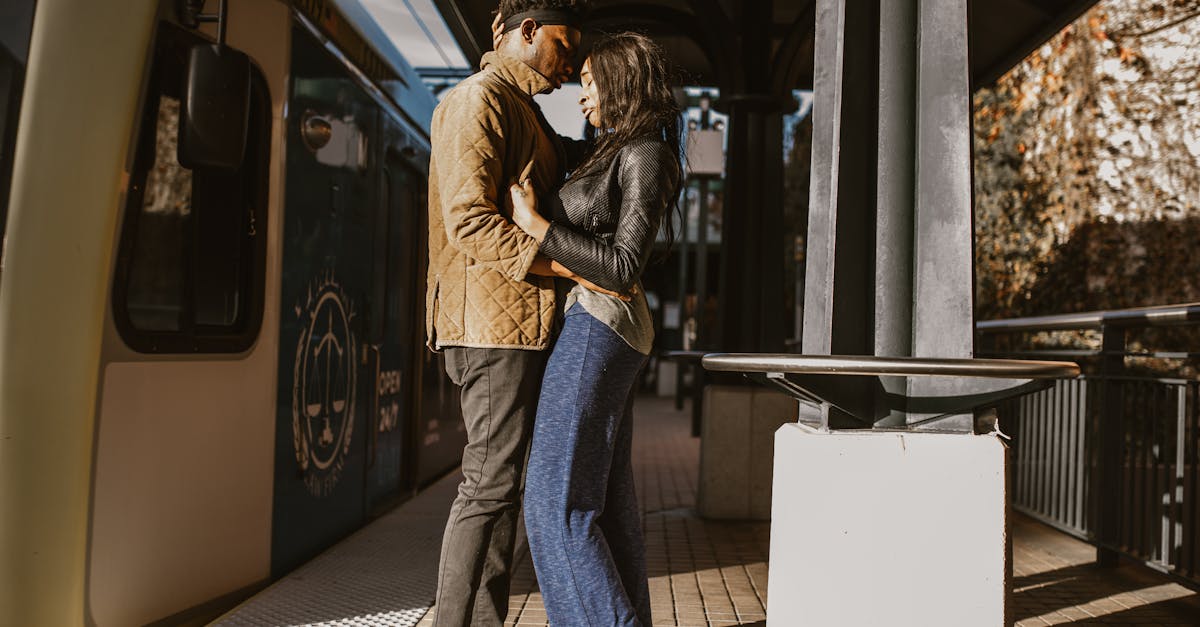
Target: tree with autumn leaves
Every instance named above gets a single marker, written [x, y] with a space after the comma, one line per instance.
[1087, 190]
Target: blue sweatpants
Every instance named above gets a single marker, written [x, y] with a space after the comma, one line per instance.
[581, 512]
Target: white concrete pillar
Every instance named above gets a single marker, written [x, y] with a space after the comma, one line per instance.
[888, 528]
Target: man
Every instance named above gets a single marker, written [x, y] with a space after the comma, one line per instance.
[486, 306]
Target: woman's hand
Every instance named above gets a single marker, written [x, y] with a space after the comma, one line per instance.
[545, 266]
[524, 210]
[600, 290]
[497, 30]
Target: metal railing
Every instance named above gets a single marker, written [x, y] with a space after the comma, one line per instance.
[852, 386]
[1111, 457]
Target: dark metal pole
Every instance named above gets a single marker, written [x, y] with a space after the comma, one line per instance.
[840, 261]
[943, 282]
[895, 184]
[701, 260]
[683, 292]
[839, 283]
[752, 243]
[889, 263]
[701, 303]
[943, 221]
[1109, 459]
[222, 22]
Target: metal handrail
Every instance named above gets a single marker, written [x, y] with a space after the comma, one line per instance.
[857, 365]
[684, 355]
[1165, 315]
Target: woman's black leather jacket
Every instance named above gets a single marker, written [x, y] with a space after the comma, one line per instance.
[604, 222]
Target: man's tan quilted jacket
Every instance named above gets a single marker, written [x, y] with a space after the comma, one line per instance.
[485, 134]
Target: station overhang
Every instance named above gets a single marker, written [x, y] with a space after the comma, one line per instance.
[701, 36]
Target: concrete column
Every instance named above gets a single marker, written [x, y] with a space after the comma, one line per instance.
[895, 184]
[890, 230]
[888, 528]
[916, 523]
[736, 448]
[752, 241]
[839, 290]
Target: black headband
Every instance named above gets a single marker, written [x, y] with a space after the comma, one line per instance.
[548, 17]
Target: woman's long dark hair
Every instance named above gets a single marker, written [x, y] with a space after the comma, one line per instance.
[634, 88]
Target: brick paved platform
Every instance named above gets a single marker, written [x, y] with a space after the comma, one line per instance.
[710, 573]
[1056, 582]
[703, 573]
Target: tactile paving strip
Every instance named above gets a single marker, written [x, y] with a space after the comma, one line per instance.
[383, 575]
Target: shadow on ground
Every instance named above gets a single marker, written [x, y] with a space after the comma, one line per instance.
[1078, 590]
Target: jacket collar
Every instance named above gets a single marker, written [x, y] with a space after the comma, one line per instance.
[516, 72]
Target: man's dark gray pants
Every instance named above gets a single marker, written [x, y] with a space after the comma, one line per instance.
[500, 389]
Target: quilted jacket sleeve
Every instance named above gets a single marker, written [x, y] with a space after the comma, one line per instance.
[468, 147]
[647, 175]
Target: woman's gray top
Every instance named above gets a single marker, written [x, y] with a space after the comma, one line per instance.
[603, 227]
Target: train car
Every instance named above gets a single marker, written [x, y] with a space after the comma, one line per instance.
[212, 360]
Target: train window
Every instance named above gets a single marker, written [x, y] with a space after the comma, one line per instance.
[17, 16]
[403, 263]
[154, 299]
[190, 270]
[394, 252]
[378, 314]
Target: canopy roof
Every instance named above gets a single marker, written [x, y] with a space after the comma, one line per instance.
[696, 36]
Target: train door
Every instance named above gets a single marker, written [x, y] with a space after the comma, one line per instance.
[419, 433]
[326, 380]
[439, 433]
[392, 320]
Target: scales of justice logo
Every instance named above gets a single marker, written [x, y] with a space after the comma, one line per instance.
[323, 385]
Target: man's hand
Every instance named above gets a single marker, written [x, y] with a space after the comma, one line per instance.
[497, 30]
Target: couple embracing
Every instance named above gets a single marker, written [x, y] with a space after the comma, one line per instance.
[547, 381]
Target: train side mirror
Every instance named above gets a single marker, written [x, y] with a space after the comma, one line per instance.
[214, 118]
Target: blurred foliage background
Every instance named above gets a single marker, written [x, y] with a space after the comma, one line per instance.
[1087, 190]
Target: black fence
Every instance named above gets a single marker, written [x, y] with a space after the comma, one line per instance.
[1111, 457]
[1058, 465]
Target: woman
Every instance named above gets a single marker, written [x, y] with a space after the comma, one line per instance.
[581, 513]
